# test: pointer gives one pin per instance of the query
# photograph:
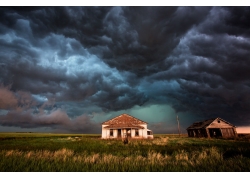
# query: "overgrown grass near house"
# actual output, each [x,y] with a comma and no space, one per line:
[35,152]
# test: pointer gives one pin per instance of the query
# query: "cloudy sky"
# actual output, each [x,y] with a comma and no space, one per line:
[68,69]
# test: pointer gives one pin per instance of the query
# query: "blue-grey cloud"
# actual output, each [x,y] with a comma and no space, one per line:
[85,60]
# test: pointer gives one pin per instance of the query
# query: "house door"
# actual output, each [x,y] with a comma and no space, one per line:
[119,133]
[128,132]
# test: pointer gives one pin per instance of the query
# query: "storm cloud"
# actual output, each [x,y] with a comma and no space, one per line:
[57,121]
[73,62]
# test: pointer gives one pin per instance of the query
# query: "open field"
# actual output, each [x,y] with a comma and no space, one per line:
[38,152]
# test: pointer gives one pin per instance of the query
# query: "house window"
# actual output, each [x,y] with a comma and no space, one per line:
[136,132]
[111,132]
[149,133]
[218,121]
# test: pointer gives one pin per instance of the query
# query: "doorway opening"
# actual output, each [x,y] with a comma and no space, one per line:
[128,132]
[119,134]
[215,132]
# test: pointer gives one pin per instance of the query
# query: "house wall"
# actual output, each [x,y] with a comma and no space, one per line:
[115,132]
[104,132]
[150,136]
[133,133]
[142,132]
[124,131]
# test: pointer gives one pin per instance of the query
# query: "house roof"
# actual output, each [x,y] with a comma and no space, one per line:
[206,123]
[124,121]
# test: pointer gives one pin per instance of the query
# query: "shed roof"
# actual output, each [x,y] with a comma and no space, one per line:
[206,123]
[124,120]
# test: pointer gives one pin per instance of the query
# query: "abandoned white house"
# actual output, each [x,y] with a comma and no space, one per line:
[124,126]
[215,127]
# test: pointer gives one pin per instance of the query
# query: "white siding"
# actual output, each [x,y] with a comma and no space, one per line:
[104,132]
[133,133]
[142,132]
[115,133]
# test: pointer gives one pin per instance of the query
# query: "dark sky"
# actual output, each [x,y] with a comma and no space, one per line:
[67,69]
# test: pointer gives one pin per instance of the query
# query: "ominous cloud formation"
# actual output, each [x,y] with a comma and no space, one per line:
[61,65]
[56,120]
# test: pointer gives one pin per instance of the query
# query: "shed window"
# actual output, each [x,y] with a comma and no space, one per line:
[136,132]
[111,133]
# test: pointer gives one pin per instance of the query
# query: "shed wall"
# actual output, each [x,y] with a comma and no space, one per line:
[219,124]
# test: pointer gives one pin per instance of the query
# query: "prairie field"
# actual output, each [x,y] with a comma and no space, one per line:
[38,152]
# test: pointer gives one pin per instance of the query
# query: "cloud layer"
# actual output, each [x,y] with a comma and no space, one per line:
[72,62]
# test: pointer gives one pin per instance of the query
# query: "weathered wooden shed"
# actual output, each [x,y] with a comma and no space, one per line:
[124,126]
[215,127]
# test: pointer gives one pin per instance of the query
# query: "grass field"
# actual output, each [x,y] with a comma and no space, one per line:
[37,152]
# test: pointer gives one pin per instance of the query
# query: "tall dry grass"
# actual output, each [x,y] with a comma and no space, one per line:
[209,159]
[164,153]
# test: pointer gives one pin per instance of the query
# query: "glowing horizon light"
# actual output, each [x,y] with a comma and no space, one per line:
[243,129]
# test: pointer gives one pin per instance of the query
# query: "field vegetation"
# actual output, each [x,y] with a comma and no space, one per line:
[34,152]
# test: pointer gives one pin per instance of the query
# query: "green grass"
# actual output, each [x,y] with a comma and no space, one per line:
[38,152]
